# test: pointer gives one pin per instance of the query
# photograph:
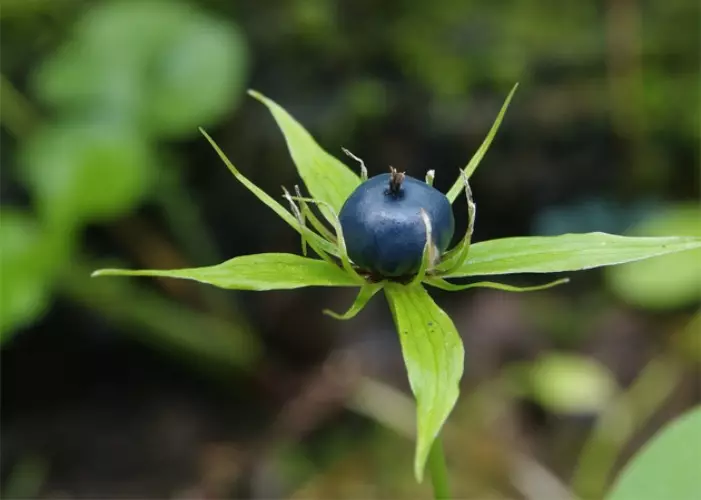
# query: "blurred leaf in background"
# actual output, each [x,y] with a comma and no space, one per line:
[164,64]
[669,282]
[129,75]
[667,466]
[27,266]
[565,383]
[84,171]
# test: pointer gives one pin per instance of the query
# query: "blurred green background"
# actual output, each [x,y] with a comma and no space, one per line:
[163,389]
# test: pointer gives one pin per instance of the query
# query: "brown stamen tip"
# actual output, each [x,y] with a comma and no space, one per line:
[395,180]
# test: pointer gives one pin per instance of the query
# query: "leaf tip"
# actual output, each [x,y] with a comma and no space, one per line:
[419,470]
[329,312]
[256,95]
[104,272]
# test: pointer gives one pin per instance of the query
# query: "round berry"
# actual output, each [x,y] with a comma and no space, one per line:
[383,228]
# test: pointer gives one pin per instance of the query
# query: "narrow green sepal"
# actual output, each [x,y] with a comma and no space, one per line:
[311,217]
[340,240]
[270,202]
[452,287]
[482,150]
[365,293]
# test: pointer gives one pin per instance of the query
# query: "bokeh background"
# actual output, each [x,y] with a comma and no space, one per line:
[163,389]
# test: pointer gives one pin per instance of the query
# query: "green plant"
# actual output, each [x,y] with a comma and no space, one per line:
[432,349]
[131,76]
[673,455]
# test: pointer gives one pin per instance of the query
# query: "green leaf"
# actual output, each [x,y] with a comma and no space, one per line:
[25,262]
[668,282]
[265,271]
[364,295]
[565,383]
[327,179]
[86,171]
[433,355]
[200,77]
[312,238]
[482,150]
[168,65]
[568,252]
[667,466]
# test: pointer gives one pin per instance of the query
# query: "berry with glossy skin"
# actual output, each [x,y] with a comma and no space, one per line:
[383,227]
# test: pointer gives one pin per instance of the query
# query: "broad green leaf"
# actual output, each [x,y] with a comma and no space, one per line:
[667,466]
[265,271]
[327,179]
[313,238]
[25,263]
[482,150]
[200,77]
[568,252]
[433,355]
[168,65]
[87,171]
[668,282]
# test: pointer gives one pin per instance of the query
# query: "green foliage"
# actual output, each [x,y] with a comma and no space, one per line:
[432,349]
[482,150]
[327,179]
[27,262]
[311,238]
[568,252]
[366,292]
[667,466]
[69,165]
[131,73]
[433,355]
[266,271]
[164,65]
[668,282]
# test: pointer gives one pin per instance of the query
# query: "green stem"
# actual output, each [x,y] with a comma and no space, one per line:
[438,470]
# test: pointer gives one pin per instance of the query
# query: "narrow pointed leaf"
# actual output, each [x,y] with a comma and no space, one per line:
[433,355]
[452,287]
[327,179]
[312,238]
[265,271]
[482,150]
[568,252]
[364,295]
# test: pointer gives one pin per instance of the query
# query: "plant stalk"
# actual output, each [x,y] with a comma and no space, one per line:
[438,470]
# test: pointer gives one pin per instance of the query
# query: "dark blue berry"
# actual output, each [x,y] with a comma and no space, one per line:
[383,228]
